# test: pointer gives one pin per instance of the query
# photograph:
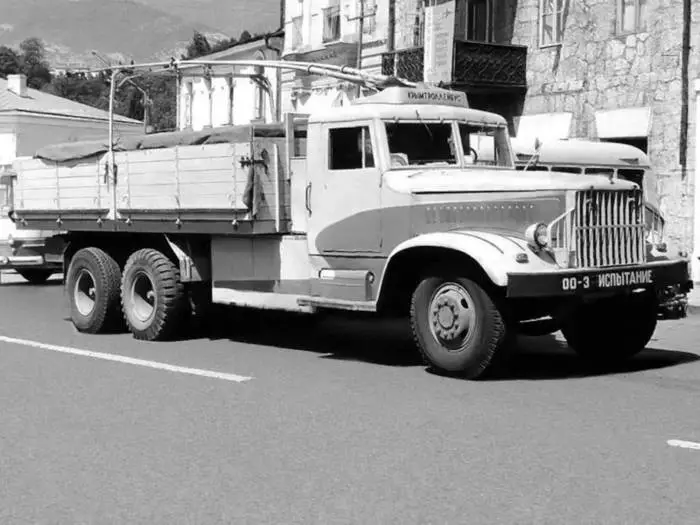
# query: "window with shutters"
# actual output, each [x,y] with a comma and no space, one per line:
[631,16]
[551,22]
[331,22]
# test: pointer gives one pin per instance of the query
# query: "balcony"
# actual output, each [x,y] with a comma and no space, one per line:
[475,65]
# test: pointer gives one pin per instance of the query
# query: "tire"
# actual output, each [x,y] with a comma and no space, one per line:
[93,287]
[35,276]
[459,303]
[612,330]
[154,302]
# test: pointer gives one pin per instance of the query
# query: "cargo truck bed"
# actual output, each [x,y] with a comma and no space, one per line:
[224,180]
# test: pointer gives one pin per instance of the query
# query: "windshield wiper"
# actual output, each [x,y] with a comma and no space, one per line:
[535,156]
[427,128]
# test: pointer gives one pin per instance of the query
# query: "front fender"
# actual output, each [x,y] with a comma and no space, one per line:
[496,253]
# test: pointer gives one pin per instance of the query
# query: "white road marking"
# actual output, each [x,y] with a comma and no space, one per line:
[684,444]
[127,360]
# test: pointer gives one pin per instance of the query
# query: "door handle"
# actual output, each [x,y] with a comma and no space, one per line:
[308,198]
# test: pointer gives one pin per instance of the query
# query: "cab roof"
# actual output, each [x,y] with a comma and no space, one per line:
[407,104]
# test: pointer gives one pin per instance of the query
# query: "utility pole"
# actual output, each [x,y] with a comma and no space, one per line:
[146,99]
[361,29]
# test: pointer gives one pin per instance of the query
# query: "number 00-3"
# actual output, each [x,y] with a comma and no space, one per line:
[571,283]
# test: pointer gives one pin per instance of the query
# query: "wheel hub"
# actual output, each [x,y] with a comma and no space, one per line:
[451,313]
[142,297]
[84,292]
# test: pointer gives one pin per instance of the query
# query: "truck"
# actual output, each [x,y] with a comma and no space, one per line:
[404,203]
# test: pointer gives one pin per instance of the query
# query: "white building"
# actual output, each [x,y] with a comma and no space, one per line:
[31,119]
[229,96]
[327,32]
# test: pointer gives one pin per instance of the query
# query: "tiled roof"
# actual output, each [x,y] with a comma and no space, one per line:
[37,101]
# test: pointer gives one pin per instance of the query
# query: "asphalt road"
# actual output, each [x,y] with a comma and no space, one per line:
[335,424]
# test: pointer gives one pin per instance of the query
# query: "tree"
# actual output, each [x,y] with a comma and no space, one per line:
[33,62]
[198,46]
[245,37]
[9,62]
[33,51]
[227,43]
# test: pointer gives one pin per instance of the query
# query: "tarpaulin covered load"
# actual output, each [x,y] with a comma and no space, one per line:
[72,151]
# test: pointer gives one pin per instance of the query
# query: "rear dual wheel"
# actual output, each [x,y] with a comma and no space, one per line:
[92,283]
[148,294]
[154,302]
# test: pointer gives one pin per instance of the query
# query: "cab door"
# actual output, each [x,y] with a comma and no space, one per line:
[344,197]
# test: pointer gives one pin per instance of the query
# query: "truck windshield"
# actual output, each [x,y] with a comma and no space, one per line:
[420,143]
[431,143]
[485,146]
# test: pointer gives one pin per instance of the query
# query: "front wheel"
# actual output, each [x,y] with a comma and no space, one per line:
[457,326]
[612,330]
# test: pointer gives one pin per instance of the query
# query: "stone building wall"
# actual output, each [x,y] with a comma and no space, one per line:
[596,69]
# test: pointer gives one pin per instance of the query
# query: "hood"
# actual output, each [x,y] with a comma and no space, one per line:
[455,180]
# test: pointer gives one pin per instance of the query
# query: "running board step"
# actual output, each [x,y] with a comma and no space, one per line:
[319,302]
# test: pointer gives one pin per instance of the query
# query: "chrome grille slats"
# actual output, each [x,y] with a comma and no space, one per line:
[609,228]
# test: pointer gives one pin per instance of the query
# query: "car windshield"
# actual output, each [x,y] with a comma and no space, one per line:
[424,143]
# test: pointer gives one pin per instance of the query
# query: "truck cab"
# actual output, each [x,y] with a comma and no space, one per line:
[381,171]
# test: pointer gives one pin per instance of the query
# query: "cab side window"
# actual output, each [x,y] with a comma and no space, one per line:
[350,148]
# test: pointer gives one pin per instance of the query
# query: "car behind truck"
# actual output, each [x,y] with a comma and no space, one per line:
[25,251]
[383,206]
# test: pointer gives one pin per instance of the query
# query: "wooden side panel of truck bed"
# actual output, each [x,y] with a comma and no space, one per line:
[197,188]
[206,179]
[182,178]
[74,187]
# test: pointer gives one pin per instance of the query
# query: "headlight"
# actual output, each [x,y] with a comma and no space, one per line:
[537,235]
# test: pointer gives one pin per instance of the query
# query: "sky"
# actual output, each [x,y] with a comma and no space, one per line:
[228,16]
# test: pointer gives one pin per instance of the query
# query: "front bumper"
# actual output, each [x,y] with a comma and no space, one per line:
[572,283]
[27,261]
[33,255]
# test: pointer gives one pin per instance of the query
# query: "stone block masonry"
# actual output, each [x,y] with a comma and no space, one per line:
[594,68]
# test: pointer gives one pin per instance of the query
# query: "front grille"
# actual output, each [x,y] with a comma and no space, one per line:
[609,228]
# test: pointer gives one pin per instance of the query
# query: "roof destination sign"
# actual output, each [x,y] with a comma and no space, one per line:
[402,95]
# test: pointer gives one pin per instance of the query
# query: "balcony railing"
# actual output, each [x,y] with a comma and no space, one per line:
[475,64]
